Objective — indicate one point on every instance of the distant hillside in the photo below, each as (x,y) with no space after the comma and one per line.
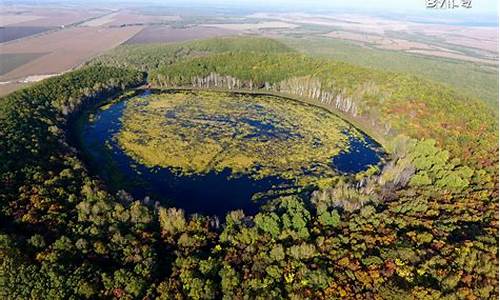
(470,78)
(150,56)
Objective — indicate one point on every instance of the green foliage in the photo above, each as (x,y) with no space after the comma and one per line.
(377,235)
(329,218)
(433,166)
(294,219)
(150,56)
(172,221)
(268,223)
(420,179)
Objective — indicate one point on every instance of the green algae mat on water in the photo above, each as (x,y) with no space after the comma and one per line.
(199,132)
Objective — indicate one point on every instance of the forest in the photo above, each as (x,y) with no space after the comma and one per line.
(424,226)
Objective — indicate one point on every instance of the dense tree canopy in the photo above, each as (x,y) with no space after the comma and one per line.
(422,227)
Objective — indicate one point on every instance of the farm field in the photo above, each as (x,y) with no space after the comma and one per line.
(166,34)
(129,17)
(408,46)
(100,20)
(10,33)
(9,19)
(376,32)
(448,54)
(252,26)
(6,88)
(10,61)
(41,16)
(64,52)
(379,41)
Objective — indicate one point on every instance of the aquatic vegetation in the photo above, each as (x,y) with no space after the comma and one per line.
(195,133)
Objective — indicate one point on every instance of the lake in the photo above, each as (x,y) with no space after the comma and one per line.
(220,185)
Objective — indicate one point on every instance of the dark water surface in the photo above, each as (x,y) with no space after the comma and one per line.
(361,155)
(210,194)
